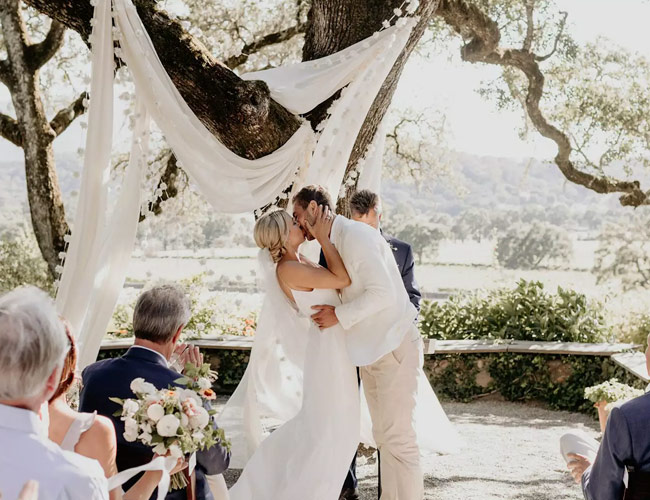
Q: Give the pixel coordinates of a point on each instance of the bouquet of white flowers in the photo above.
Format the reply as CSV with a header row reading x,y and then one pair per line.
x,y
612,391
173,421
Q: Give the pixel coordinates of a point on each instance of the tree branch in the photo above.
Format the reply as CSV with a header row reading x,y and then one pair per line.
x,y
9,130
265,41
66,116
168,183
5,73
483,47
39,53
557,38
240,113
530,25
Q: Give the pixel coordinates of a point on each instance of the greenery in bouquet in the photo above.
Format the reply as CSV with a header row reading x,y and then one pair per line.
x,y
612,391
176,421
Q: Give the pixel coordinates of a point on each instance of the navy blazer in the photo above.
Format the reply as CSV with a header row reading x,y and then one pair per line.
x,y
626,443
403,254
112,378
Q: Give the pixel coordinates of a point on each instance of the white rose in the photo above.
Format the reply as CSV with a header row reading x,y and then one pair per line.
x,y
168,425
175,451
155,412
204,383
136,385
130,407
151,399
190,394
160,449
201,419
130,436
184,420
148,388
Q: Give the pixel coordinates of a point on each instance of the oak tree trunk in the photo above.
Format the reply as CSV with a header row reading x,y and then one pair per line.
x,y
242,114
36,136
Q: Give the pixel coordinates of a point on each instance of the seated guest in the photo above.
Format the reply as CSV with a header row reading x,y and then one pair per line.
x,y
89,434
34,345
365,206
625,447
158,320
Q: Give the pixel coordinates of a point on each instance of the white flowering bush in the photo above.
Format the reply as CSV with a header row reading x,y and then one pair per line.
x,y
612,391
175,421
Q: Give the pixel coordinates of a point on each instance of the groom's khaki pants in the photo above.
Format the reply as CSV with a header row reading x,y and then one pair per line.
x,y
390,386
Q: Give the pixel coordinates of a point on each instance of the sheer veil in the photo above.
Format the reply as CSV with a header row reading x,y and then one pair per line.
x,y
271,389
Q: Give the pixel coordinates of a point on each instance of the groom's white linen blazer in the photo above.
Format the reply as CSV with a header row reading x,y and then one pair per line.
x,y
376,311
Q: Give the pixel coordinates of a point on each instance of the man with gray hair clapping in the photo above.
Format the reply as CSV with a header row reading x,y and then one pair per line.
x,y
159,317
34,345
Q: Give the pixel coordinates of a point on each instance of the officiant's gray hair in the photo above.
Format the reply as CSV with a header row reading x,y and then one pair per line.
x,y
160,312
33,342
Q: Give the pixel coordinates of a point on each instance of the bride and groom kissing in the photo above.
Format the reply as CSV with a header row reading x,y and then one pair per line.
x,y
361,317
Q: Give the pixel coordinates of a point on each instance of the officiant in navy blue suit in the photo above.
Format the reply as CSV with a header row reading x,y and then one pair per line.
x,y
158,319
365,206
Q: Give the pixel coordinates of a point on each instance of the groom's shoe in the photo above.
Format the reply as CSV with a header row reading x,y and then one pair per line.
x,y
349,494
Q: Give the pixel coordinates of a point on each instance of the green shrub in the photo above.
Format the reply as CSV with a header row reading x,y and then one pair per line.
x,y
526,312
211,315
22,264
634,329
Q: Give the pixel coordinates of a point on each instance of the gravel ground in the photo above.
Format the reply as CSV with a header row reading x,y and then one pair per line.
x,y
511,451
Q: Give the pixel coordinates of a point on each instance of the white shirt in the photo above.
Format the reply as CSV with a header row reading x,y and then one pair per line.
x,y
376,311
26,453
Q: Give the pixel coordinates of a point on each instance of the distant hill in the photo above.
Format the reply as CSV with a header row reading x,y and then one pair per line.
x,y
490,183
503,183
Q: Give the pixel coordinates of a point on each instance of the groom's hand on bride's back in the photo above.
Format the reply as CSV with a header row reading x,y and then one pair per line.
x,y
325,317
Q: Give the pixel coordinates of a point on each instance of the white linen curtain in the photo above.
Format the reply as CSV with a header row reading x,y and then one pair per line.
x,y
97,258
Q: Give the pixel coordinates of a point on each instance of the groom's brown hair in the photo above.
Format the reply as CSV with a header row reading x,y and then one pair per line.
x,y
313,193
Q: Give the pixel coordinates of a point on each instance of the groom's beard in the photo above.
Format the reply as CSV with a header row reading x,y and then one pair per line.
x,y
306,232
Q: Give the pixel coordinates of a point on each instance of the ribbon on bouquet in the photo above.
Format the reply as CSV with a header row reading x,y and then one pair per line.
x,y
163,464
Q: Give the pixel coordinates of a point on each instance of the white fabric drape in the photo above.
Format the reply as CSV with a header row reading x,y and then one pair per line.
x,y
371,165
98,254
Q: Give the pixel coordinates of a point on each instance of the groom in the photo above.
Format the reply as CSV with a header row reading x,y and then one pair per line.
x,y
382,340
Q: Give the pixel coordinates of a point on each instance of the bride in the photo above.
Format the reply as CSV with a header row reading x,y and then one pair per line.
x,y
308,456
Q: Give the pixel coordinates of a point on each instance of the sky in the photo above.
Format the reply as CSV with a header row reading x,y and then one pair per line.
x,y
446,83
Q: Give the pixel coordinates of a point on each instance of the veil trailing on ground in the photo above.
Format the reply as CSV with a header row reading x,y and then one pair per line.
x,y
271,389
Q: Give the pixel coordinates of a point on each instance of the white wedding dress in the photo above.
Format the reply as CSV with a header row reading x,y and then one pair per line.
x,y
309,456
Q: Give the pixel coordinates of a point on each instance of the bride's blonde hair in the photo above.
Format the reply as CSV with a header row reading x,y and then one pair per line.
x,y
272,232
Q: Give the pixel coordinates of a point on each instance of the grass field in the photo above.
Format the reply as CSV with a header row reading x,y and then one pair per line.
x,y
458,266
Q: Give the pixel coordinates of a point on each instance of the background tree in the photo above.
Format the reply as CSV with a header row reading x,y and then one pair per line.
x,y
574,96
31,129
624,253
543,71
527,246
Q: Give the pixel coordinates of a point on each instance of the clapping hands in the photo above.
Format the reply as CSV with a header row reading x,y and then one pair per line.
x,y
186,353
